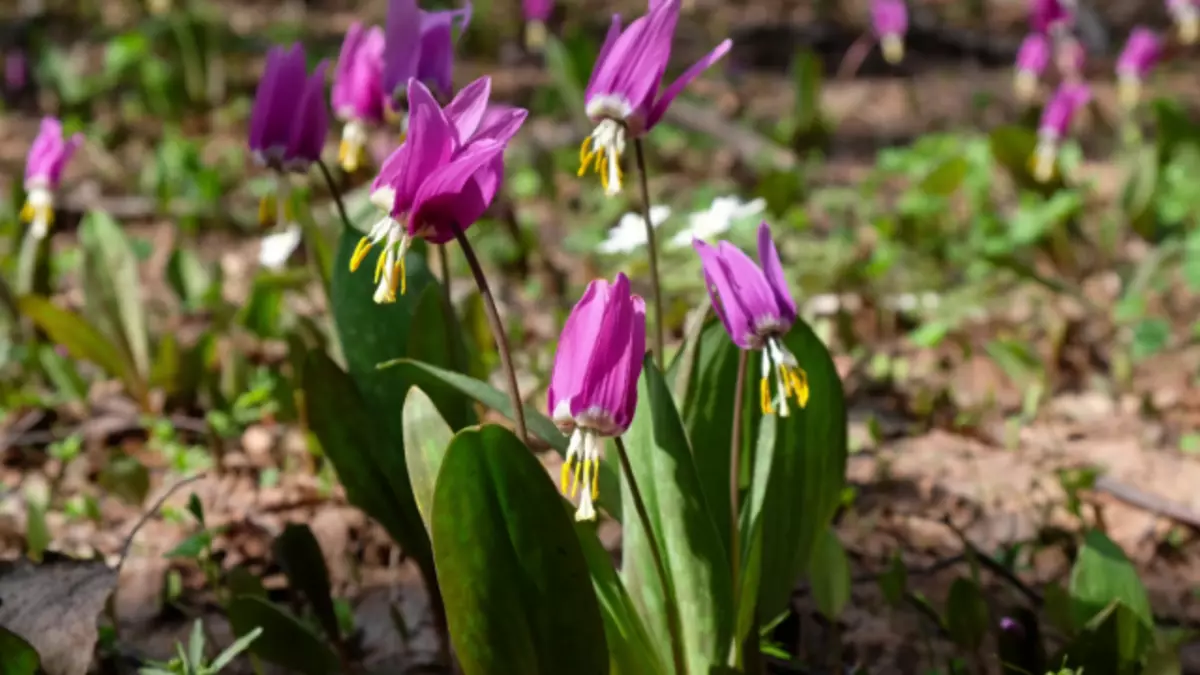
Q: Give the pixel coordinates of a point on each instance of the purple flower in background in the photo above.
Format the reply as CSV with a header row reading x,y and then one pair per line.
x,y
889,18
1070,56
357,94
757,309
624,96
593,385
536,14
1141,53
440,180
48,157
1049,16
1032,59
1186,15
16,70
419,45
1055,122
288,123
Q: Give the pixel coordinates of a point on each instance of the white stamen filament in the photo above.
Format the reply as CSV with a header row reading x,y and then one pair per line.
x,y
354,139
609,138
41,208
775,361
581,468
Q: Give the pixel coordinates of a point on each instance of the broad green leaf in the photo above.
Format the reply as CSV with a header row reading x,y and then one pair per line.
x,y
284,641
426,436
241,581
299,554
428,376
630,650
1113,641
80,339
967,616
354,442
946,177
1101,575
1012,148
829,576
17,657
440,342
894,581
112,288
808,471
515,583
697,563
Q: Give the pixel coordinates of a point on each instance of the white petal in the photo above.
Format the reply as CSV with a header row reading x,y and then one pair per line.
x,y
276,248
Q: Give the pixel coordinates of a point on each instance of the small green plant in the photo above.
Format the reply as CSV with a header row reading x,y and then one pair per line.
x,y
192,660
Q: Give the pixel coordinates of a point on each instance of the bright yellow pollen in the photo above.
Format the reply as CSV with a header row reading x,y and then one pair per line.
x,y
795,383
573,470
350,156
30,213
360,252
764,394
596,157
268,211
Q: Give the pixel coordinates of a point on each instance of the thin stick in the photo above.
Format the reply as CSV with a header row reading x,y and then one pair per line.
x,y
652,246
337,194
673,621
146,516
735,473
855,55
489,307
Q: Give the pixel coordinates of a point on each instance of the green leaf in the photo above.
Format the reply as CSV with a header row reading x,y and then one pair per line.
x,y
894,581
284,641
1113,641
946,177
440,342
241,581
1101,575
428,376
630,649
697,563
829,576
17,657
426,436
967,616
516,588
1013,147
375,479
112,288
300,555
189,278
79,338
805,481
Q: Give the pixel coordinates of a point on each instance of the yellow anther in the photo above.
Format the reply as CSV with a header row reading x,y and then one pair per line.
x,y
399,272
28,213
893,48
360,252
764,393
396,280
266,211
350,156
380,262
585,157
799,385
596,478
575,479
564,474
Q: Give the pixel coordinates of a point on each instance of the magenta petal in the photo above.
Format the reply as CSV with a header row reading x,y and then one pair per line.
x,y
430,140
608,75
342,94
671,92
311,121
574,346
450,195
435,64
614,32
501,126
402,35
467,110
637,352
772,268
605,388
721,292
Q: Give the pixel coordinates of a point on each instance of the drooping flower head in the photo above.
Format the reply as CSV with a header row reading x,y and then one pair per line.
x,y
624,97
440,180
889,18
357,94
1141,53
419,45
48,157
1032,59
757,309
288,123
536,13
593,385
1056,121
1186,15
1070,57
1049,16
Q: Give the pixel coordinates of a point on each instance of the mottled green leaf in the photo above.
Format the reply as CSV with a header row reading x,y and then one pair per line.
x,y
426,436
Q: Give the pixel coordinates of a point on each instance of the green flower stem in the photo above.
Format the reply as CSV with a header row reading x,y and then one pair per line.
x,y
337,193
735,473
652,246
674,624
489,306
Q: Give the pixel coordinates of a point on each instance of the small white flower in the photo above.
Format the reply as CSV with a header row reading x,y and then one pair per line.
x,y
717,219
630,232
276,248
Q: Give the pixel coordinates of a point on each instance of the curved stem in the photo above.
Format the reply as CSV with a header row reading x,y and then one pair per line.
x,y
489,307
652,247
337,193
735,474
673,622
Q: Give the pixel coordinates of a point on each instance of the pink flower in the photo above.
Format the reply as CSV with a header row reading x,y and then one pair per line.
x,y
48,157
889,18
357,95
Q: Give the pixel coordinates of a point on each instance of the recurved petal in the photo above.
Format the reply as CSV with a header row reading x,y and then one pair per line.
x,y
43,150
402,45
637,350
574,348
435,65
614,32
605,385
610,73
500,125
342,94
430,143
467,110
676,87
772,268
722,290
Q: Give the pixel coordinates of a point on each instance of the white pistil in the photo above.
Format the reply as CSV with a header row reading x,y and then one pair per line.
x,y
607,146
40,204
354,139
582,469
778,358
